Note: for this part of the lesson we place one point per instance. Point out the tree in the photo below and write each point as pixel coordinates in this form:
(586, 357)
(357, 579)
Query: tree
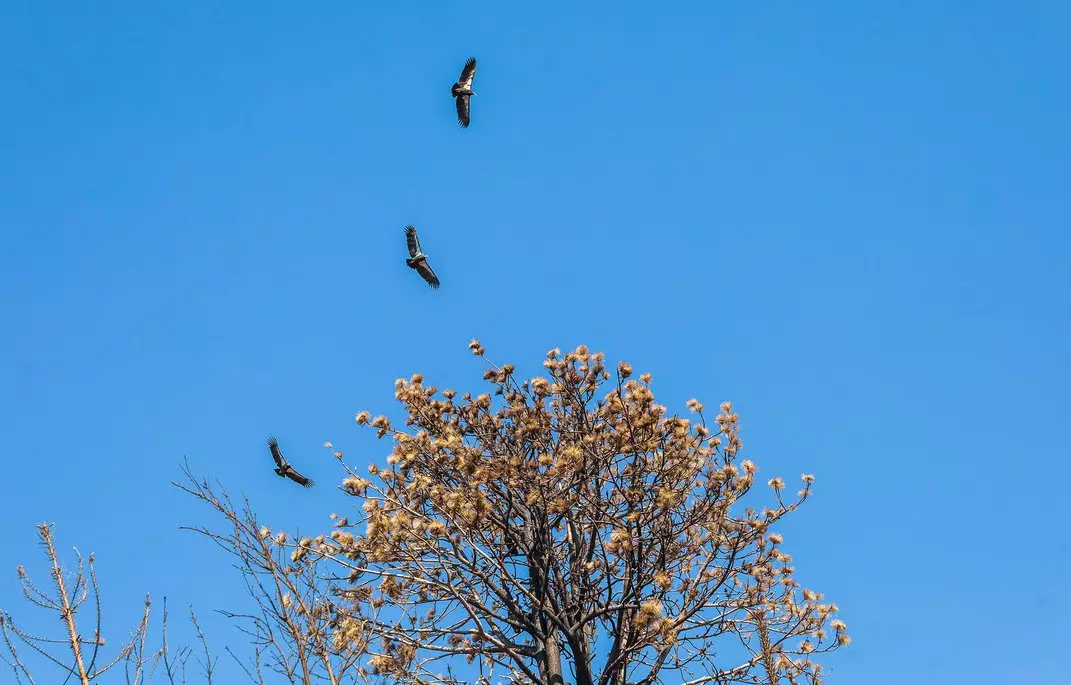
(565, 527)
(78, 656)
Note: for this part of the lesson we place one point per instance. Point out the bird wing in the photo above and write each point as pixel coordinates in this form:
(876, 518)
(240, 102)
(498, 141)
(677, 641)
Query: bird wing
(298, 478)
(467, 74)
(463, 110)
(276, 453)
(411, 241)
(424, 269)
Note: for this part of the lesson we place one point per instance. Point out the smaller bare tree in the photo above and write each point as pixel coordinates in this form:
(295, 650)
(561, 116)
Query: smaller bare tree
(75, 654)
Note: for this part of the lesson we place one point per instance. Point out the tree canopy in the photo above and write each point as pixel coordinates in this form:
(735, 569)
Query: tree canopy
(569, 528)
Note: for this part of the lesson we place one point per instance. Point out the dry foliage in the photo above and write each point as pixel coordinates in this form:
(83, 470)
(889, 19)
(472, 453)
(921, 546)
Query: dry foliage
(562, 528)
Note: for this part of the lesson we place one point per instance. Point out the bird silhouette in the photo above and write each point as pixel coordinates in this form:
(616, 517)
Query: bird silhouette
(283, 469)
(417, 259)
(462, 90)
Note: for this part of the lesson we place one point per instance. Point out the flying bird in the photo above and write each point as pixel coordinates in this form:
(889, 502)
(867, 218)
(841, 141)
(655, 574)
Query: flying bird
(283, 469)
(417, 259)
(462, 90)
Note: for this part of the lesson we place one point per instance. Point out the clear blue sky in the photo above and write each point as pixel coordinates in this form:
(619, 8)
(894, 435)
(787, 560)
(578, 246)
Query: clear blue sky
(850, 219)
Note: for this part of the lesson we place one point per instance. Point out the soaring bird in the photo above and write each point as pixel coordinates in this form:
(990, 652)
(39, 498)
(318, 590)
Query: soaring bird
(283, 469)
(417, 259)
(462, 90)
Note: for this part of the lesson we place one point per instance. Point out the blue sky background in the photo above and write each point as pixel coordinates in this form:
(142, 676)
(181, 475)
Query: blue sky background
(849, 218)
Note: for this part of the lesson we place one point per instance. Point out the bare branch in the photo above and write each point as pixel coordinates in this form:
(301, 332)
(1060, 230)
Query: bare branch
(208, 664)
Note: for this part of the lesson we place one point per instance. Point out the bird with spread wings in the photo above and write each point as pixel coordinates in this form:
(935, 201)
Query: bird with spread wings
(283, 469)
(462, 90)
(417, 259)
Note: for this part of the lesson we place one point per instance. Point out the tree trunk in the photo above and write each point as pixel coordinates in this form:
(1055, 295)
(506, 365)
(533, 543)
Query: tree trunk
(67, 611)
(553, 659)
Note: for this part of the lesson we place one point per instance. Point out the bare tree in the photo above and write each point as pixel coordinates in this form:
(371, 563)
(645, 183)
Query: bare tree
(570, 529)
(75, 654)
(294, 627)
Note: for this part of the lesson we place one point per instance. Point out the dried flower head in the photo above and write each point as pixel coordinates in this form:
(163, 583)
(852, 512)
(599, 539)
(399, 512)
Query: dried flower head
(650, 611)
